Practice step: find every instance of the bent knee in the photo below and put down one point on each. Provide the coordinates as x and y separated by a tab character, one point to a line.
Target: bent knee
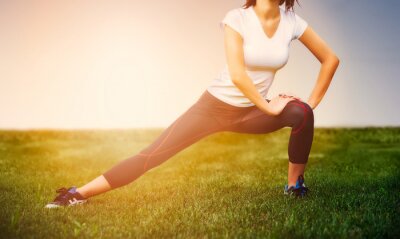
298	112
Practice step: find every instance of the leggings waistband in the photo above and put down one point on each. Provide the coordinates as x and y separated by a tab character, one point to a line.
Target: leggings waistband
208	98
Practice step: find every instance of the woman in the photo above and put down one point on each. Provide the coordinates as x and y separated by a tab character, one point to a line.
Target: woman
256	39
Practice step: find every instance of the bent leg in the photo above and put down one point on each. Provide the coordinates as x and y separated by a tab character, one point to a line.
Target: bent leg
297	115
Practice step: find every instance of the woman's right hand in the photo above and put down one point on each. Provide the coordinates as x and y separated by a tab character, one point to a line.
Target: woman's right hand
278	103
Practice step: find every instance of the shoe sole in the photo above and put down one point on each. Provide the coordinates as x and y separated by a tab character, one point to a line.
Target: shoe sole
294	193
72	203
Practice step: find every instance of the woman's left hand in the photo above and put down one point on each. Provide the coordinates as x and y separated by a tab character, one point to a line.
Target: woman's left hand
290	95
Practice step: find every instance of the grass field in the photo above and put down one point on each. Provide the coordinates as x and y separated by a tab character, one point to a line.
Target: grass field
226	185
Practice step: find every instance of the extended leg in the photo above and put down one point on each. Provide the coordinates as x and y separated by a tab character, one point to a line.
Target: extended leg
190	127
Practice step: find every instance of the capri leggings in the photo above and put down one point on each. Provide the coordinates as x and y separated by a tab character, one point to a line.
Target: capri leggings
210	115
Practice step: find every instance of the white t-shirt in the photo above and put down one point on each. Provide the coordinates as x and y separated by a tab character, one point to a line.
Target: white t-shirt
263	56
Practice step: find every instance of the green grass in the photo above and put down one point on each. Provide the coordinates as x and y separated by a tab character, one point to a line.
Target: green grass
226	185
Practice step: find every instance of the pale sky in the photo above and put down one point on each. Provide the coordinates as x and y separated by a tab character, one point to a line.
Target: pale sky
76	64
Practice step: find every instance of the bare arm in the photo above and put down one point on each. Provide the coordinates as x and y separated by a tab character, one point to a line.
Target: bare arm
329	63
233	43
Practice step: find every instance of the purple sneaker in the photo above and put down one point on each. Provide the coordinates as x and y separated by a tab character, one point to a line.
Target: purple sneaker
66	197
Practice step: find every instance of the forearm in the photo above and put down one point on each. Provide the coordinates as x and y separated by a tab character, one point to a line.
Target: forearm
246	85
328	69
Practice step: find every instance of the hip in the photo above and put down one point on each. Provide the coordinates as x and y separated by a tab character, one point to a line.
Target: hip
209	105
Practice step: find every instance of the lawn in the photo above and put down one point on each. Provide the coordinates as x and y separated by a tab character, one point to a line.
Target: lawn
225	185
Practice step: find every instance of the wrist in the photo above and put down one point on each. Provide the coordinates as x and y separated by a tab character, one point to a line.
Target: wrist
267	109
312	105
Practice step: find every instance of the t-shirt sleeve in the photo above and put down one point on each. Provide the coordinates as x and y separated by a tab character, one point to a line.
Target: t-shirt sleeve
300	26
233	19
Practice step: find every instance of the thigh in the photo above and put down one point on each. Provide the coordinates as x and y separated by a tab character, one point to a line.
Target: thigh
258	122
192	125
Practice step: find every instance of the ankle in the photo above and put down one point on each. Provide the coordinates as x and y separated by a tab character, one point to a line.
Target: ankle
82	193
291	184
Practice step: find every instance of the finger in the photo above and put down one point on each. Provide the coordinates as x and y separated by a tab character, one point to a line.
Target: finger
291	94
287	100
290	99
295	97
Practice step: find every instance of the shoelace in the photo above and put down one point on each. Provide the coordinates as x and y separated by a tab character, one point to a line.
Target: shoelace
63	192
300	181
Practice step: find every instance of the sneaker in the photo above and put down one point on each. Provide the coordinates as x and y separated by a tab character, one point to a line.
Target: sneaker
66	197
299	190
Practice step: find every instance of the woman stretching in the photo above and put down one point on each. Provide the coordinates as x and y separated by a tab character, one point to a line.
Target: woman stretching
256	39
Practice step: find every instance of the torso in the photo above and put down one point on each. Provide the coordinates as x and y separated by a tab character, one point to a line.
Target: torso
260	50
263	56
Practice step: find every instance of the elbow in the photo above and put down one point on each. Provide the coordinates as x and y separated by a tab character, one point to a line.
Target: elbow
332	59
238	82
336	60
236	79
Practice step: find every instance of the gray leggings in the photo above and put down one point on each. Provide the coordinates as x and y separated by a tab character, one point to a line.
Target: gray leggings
210	115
